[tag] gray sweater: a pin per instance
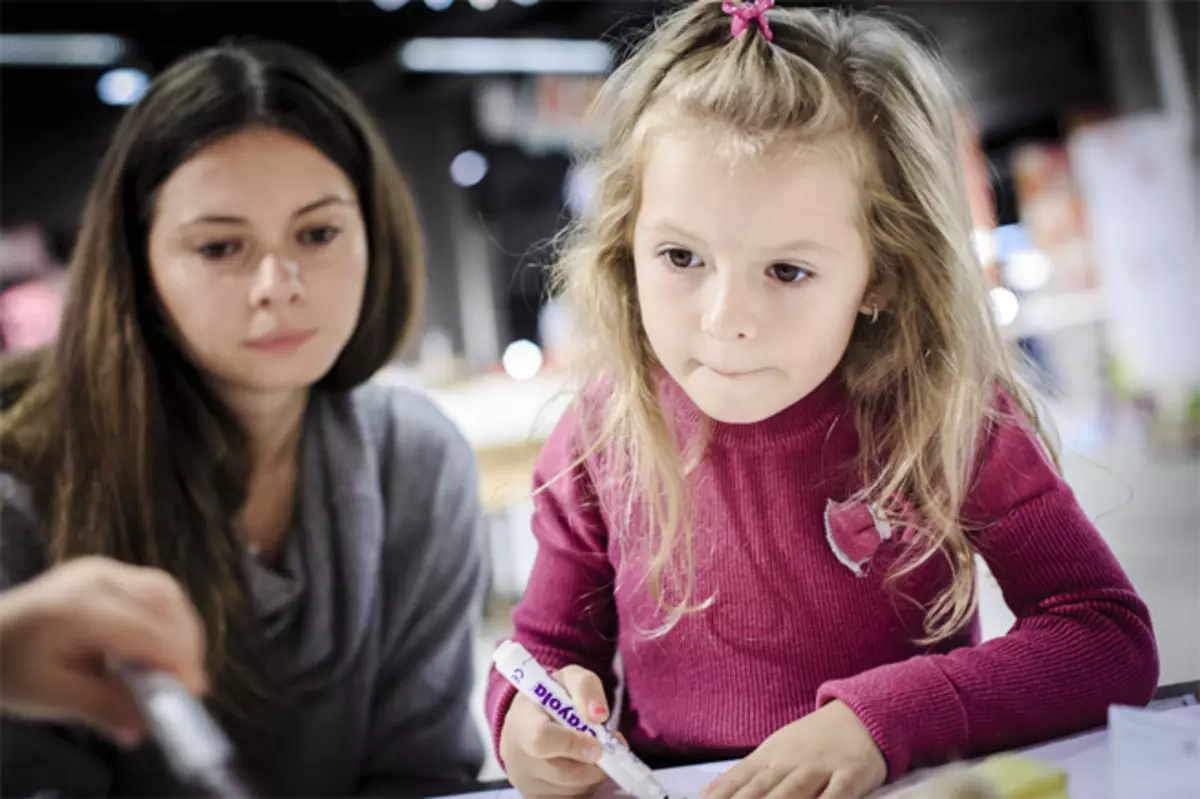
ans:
(370, 614)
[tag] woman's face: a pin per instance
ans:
(258, 252)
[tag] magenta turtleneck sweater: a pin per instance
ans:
(802, 613)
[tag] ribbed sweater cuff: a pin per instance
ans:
(911, 710)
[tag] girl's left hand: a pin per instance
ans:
(827, 754)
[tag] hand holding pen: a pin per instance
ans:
(546, 759)
(58, 632)
(554, 742)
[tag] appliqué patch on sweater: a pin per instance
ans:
(855, 530)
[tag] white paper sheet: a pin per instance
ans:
(1155, 754)
(680, 783)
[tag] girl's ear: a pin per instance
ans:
(880, 292)
(874, 301)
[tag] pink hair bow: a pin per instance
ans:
(745, 12)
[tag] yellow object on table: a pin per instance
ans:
(1015, 777)
(998, 777)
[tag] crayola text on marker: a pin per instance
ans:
(618, 762)
(567, 714)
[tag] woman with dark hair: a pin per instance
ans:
(249, 258)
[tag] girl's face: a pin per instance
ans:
(750, 274)
(258, 253)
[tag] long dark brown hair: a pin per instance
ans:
(128, 452)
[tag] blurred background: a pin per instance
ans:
(1079, 147)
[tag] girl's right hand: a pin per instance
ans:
(544, 758)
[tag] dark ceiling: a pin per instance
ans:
(1023, 63)
(1018, 60)
(346, 33)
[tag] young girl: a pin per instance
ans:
(802, 427)
(249, 257)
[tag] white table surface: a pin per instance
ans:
(1085, 759)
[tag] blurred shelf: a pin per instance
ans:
(1043, 314)
(505, 420)
(495, 411)
(506, 474)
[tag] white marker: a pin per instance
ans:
(195, 747)
(621, 765)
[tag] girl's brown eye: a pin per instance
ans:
(680, 258)
(789, 273)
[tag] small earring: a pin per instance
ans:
(874, 313)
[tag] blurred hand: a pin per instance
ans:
(545, 759)
(58, 631)
(827, 754)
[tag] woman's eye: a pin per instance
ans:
(219, 250)
(680, 258)
(788, 273)
(319, 235)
